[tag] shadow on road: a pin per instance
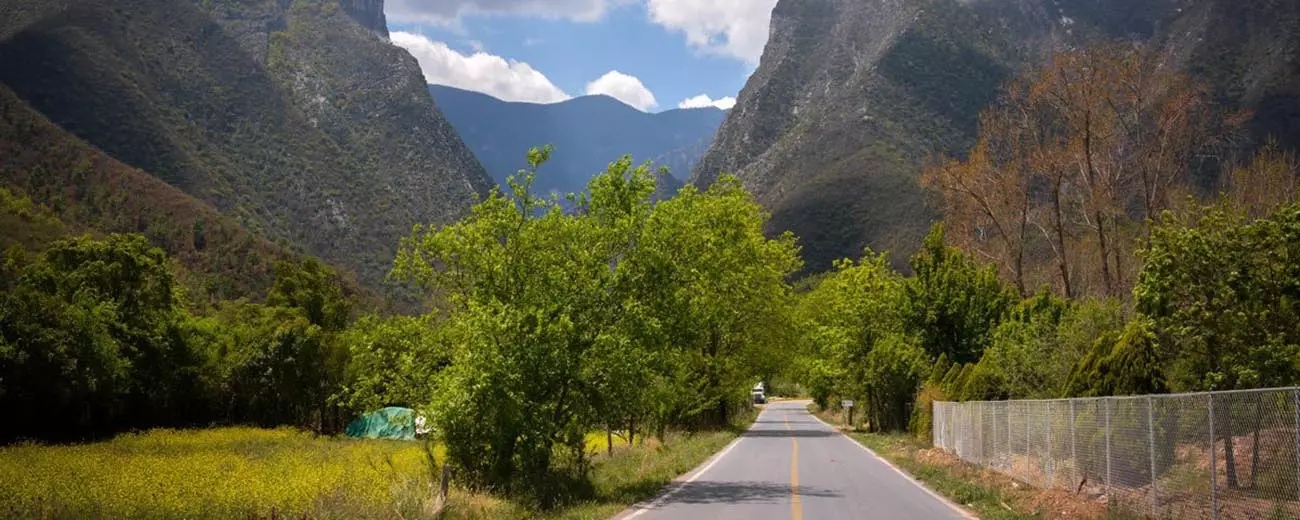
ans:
(708, 492)
(798, 432)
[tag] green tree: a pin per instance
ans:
(314, 287)
(392, 361)
(951, 304)
(1222, 295)
(717, 288)
(92, 335)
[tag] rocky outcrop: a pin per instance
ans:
(368, 13)
(853, 97)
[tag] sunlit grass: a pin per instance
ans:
(260, 473)
(218, 473)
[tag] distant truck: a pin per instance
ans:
(758, 395)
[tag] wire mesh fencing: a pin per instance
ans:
(1216, 455)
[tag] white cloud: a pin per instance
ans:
(736, 28)
(447, 11)
(703, 100)
(481, 72)
(625, 88)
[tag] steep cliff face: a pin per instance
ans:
(368, 13)
(291, 118)
(853, 97)
(850, 97)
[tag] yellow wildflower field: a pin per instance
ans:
(216, 473)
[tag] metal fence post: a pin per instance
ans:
(1214, 468)
(1074, 453)
(1295, 395)
(1051, 457)
(1028, 456)
(1151, 451)
(1107, 400)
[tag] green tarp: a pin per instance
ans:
(386, 423)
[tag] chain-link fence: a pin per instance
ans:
(1218, 455)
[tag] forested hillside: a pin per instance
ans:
(854, 98)
(291, 118)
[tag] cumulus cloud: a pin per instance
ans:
(703, 100)
(481, 72)
(447, 11)
(625, 88)
(736, 28)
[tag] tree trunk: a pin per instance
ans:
(1062, 263)
(609, 440)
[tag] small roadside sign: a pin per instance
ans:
(847, 403)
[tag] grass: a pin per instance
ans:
(630, 475)
(989, 495)
(261, 473)
(217, 473)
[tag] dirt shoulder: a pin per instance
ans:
(987, 493)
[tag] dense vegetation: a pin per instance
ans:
(96, 336)
(1075, 258)
(626, 314)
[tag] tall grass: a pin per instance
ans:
(217, 473)
(284, 473)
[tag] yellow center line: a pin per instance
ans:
(796, 510)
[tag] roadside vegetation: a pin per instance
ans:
(987, 493)
(550, 333)
(1103, 237)
(1099, 240)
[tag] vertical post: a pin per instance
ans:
(1107, 400)
(1074, 453)
(1028, 456)
(1051, 457)
(1214, 467)
(1295, 395)
(1151, 451)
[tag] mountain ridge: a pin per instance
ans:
(588, 132)
(292, 118)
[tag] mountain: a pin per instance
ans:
(296, 120)
(588, 133)
(852, 97)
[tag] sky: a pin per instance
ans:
(654, 55)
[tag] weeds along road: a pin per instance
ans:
(790, 465)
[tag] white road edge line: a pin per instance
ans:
(679, 485)
(960, 510)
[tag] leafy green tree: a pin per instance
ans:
(717, 288)
(392, 361)
(314, 287)
(1221, 292)
(952, 304)
(278, 367)
(843, 319)
(1120, 364)
(92, 336)
(894, 371)
(529, 287)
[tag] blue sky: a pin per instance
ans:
(651, 54)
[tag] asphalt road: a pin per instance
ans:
(790, 465)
